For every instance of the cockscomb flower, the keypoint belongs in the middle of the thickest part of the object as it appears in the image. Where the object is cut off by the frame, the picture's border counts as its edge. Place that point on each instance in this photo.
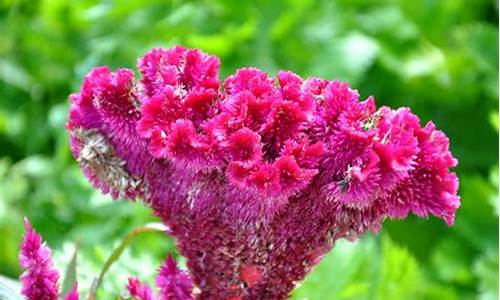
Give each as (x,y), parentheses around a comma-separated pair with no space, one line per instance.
(138,290)
(255,176)
(173,282)
(40,280)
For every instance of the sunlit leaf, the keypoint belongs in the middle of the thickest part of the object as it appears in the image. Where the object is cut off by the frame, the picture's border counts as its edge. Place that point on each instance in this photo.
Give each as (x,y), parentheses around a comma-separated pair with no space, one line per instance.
(70,278)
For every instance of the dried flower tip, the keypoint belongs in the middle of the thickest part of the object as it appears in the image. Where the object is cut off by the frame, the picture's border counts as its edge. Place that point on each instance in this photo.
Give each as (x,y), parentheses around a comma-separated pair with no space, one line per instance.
(107,169)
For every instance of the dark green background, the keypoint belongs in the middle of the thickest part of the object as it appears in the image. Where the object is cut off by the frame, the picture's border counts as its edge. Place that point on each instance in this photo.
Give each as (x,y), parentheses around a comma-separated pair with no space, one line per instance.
(438,57)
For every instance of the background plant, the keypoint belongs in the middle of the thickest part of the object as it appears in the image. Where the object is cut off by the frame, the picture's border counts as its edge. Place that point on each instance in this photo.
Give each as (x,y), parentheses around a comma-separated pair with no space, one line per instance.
(439,57)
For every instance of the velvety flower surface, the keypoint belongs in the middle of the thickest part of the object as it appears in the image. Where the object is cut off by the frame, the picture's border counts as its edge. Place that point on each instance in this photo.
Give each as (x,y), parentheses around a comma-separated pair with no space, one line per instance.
(138,290)
(40,278)
(173,282)
(255,176)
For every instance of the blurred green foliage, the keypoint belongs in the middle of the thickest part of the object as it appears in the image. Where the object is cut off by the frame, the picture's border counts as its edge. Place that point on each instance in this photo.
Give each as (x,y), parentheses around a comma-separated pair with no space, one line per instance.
(439,57)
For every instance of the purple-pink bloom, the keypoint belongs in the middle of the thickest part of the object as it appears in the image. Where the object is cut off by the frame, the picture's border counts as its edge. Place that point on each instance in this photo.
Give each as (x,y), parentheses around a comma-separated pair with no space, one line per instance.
(174,284)
(138,290)
(255,176)
(40,278)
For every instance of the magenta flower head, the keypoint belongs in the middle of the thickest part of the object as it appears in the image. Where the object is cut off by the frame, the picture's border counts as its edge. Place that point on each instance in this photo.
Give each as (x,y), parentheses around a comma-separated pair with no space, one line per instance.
(173,282)
(255,176)
(138,290)
(40,279)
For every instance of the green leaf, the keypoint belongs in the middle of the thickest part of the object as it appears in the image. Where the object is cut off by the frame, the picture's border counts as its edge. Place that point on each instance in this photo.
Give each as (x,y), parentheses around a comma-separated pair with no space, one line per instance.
(344,273)
(493,118)
(486,269)
(70,275)
(476,219)
(451,261)
(400,276)
(14,75)
(354,55)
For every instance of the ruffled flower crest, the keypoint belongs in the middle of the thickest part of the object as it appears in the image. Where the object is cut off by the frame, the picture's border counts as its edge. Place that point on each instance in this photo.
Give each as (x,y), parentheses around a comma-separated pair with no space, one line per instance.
(256,176)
